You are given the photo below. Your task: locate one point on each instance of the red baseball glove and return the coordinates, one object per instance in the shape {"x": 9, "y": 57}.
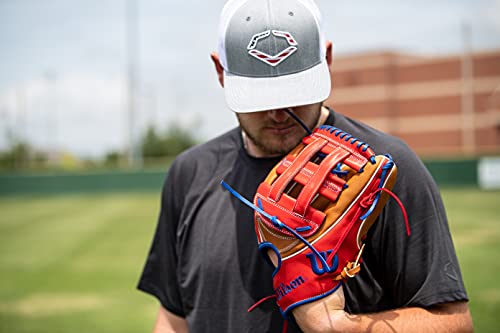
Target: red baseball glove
{"x": 314, "y": 210}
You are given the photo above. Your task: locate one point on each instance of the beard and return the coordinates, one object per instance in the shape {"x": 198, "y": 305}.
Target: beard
{"x": 272, "y": 143}
{"x": 275, "y": 146}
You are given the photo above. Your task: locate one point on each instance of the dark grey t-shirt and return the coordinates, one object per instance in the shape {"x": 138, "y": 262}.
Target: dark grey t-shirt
{"x": 204, "y": 264}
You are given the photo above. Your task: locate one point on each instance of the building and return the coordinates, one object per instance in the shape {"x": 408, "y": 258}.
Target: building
{"x": 441, "y": 106}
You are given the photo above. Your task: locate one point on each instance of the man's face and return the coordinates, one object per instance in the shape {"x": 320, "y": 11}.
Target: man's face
{"x": 275, "y": 132}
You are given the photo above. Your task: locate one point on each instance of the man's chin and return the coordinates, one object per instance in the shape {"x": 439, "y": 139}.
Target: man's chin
{"x": 279, "y": 147}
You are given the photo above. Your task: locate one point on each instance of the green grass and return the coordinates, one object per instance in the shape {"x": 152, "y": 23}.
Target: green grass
{"x": 474, "y": 218}
{"x": 70, "y": 263}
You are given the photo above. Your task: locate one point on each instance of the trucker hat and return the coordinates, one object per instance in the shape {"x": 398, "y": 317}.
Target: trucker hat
{"x": 273, "y": 53}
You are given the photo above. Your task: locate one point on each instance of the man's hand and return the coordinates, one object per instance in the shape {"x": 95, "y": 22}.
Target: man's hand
{"x": 167, "y": 322}
{"x": 325, "y": 316}
{"x": 318, "y": 315}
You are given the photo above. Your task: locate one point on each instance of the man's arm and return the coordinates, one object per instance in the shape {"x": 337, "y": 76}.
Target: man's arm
{"x": 167, "y": 322}
{"x": 324, "y": 316}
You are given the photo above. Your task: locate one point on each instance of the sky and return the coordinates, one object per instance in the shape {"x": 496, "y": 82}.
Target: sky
{"x": 63, "y": 66}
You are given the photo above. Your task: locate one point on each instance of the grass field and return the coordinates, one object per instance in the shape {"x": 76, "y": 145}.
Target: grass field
{"x": 70, "y": 263}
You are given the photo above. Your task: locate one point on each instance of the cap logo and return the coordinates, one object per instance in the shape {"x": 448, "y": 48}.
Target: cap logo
{"x": 272, "y": 60}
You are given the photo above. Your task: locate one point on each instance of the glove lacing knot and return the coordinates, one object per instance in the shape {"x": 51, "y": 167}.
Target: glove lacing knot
{"x": 352, "y": 268}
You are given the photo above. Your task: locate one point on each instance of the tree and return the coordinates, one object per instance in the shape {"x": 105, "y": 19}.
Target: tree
{"x": 21, "y": 156}
{"x": 170, "y": 143}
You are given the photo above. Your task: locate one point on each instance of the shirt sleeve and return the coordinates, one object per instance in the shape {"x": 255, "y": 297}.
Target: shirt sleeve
{"x": 419, "y": 270}
{"x": 422, "y": 269}
{"x": 431, "y": 255}
{"x": 159, "y": 276}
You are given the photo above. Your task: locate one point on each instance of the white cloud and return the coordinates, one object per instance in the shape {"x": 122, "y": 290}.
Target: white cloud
{"x": 87, "y": 113}
{"x": 78, "y": 111}
{"x": 81, "y": 106}
{"x": 492, "y": 15}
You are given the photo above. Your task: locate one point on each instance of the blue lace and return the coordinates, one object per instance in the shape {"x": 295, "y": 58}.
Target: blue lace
{"x": 278, "y": 224}
{"x": 362, "y": 146}
{"x": 385, "y": 168}
{"x": 338, "y": 171}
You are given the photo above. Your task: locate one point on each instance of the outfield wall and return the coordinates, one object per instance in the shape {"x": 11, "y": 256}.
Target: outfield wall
{"x": 57, "y": 183}
{"x": 446, "y": 173}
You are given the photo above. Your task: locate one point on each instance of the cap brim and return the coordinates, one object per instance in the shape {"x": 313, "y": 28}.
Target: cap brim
{"x": 247, "y": 94}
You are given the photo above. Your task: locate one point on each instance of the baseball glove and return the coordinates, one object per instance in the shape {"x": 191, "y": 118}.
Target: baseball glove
{"x": 314, "y": 210}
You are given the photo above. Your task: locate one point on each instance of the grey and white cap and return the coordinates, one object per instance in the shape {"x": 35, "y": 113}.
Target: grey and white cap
{"x": 273, "y": 54}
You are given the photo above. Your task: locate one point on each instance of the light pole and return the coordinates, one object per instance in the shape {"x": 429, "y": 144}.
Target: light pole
{"x": 468, "y": 108}
{"x": 132, "y": 40}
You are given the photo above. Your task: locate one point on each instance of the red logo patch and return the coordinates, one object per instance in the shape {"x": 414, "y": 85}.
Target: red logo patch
{"x": 272, "y": 60}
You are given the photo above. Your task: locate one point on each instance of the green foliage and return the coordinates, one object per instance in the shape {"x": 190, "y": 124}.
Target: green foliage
{"x": 22, "y": 156}
{"x": 114, "y": 159}
{"x": 169, "y": 143}
{"x": 158, "y": 150}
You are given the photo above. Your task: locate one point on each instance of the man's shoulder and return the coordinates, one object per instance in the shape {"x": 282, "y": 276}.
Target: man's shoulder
{"x": 381, "y": 142}
{"x": 210, "y": 153}
{"x": 227, "y": 141}
{"x": 410, "y": 166}
{"x": 407, "y": 161}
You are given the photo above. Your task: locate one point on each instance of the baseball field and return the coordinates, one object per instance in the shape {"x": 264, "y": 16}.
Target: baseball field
{"x": 71, "y": 262}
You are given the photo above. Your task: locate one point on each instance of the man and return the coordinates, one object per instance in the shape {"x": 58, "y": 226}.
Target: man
{"x": 204, "y": 266}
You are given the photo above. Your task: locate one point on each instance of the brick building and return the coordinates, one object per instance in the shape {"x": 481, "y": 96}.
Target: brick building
{"x": 442, "y": 107}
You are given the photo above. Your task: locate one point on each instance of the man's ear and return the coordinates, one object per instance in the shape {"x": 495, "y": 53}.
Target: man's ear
{"x": 218, "y": 68}
{"x": 329, "y": 53}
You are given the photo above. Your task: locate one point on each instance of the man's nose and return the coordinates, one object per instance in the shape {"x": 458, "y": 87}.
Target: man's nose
{"x": 279, "y": 115}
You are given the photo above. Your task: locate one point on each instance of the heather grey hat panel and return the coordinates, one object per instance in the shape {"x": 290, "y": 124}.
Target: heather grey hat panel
{"x": 253, "y": 18}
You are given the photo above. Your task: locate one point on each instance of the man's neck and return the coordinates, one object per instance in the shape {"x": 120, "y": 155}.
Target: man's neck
{"x": 322, "y": 116}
